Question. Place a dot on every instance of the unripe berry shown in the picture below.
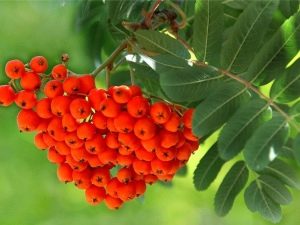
(14, 69)
(39, 64)
(7, 95)
(59, 72)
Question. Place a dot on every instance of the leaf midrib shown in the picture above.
(283, 175)
(276, 53)
(267, 141)
(246, 36)
(286, 87)
(266, 203)
(274, 189)
(208, 168)
(221, 105)
(157, 45)
(232, 186)
(245, 125)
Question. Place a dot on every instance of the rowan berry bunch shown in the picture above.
(110, 143)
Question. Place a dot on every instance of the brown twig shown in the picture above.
(250, 86)
(111, 58)
(149, 15)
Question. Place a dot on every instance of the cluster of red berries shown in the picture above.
(89, 131)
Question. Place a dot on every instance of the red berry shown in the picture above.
(7, 95)
(39, 64)
(14, 69)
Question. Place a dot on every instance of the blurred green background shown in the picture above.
(30, 193)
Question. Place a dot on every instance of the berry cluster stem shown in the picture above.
(110, 59)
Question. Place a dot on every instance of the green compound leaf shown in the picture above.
(234, 181)
(208, 31)
(287, 87)
(257, 200)
(276, 53)
(241, 126)
(218, 107)
(284, 172)
(275, 189)
(246, 35)
(265, 144)
(208, 168)
(161, 43)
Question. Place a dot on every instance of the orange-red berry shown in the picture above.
(7, 95)
(59, 72)
(39, 64)
(14, 69)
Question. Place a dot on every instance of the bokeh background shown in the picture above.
(30, 193)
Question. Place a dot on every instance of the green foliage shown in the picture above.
(275, 54)
(218, 107)
(208, 168)
(240, 45)
(241, 126)
(257, 200)
(246, 35)
(208, 29)
(160, 43)
(234, 181)
(266, 143)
